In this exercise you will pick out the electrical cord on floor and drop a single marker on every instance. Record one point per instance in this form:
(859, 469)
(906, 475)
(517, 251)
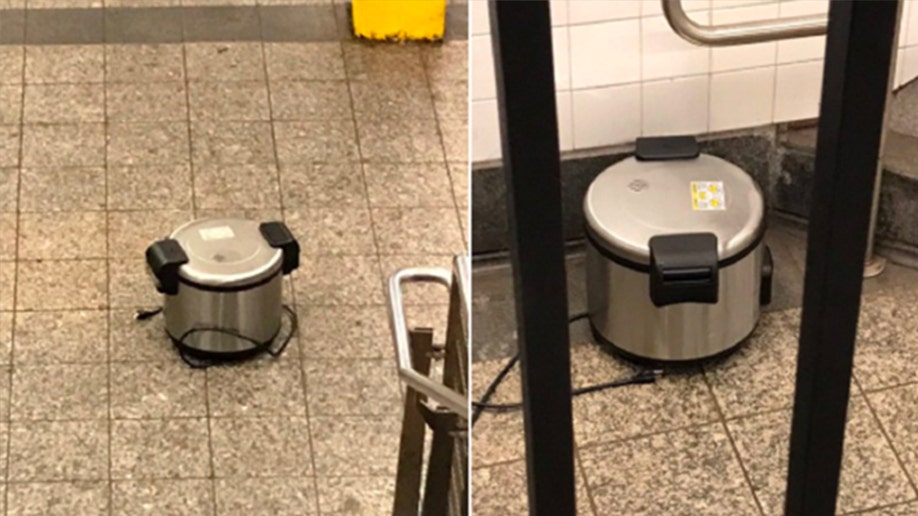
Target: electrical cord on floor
(483, 405)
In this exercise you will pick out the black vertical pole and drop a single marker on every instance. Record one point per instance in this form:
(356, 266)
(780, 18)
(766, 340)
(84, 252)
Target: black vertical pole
(854, 91)
(521, 36)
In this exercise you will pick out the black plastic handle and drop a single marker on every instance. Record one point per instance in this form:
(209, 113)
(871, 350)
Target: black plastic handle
(683, 269)
(768, 271)
(665, 148)
(278, 235)
(164, 258)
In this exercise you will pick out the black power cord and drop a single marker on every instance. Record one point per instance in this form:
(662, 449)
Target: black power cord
(483, 405)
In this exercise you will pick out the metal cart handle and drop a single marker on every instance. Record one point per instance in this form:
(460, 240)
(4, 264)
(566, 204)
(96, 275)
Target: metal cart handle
(741, 33)
(417, 381)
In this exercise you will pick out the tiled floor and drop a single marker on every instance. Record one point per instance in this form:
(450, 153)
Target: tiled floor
(712, 440)
(104, 148)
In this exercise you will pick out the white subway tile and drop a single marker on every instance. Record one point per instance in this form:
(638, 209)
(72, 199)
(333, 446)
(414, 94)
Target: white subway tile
(667, 55)
(482, 80)
(797, 91)
(485, 131)
(605, 53)
(678, 106)
(742, 99)
(591, 11)
(802, 49)
(606, 116)
(479, 19)
(558, 12)
(655, 7)
(904, 22)
(562, 58)
(911, 32)
(744, 56)
(908, 65)
(726, 4)
(565, 120)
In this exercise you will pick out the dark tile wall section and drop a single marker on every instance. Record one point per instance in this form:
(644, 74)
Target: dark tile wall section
(128, 25)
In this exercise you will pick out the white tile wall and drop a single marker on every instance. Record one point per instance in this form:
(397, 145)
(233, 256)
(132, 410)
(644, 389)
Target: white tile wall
(620, 72)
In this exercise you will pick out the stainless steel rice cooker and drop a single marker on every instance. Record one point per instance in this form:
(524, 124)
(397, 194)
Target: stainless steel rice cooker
(222, 281)
(676, 267)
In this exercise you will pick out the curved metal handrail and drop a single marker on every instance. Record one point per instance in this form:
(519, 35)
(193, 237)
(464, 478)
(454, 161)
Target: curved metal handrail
(741, 33)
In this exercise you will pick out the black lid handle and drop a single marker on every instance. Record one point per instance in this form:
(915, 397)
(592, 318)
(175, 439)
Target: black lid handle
(164, 258)
(278, 235)
(665, 148)
(683, 269)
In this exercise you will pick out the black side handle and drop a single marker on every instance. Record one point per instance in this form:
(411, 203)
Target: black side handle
(278, 235)
(683, 269)
(664, 148)
(768, 270)
(164, 258)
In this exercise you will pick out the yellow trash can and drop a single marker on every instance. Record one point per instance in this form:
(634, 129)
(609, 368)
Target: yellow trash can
(399, 19)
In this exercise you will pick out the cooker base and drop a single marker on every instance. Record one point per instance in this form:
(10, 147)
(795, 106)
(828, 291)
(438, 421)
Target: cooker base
(647, 361)
(223, 356)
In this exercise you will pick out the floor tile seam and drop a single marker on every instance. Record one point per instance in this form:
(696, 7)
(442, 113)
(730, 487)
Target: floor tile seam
(578, 464)
(189, 128)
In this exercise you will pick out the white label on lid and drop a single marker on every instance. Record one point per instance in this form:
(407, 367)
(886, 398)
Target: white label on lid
(217, 233)
(708, 196)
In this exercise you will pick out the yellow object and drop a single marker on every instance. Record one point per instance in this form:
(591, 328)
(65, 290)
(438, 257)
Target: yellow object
(399, 19)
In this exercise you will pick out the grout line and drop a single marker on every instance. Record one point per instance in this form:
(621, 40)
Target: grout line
(194, 209)
(108, 275)
(578, 463)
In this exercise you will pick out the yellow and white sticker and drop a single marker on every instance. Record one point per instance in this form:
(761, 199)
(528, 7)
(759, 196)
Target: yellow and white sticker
(708, 196)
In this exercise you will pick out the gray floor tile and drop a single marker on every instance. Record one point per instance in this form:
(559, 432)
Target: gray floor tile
(6, 336)
(10, 104)
(760, 375)
(408, 185)
(228, 186)
(310, 100)
(237, 100)
(322, 184)
(260, 447)
(451, 99)
(896, 410)
(266, 496)
(160, 448)
(59, 498)
(459, 174)
(146, 102)
(220, 23)
(131, 232)
(498, 438)
(256, 390)
(381, 62)
(59, 285)
(395, 100)
(12, 62)
(62, 189)
(339, 280)
(333, 231)
(160, 143)
(130, 285)
(173, 497)
(888, 340)
(763, 442)
(62, 337)
(75, 27)
(673, 473)
(8, 230)
(304, 61)
(156, 390)
(455, 135)
(501, 489)
(304, 142)
(144, 63)
(344, 332)
(298, 23)
(906, 509)
(358, 496)
(142, 25)
(12, 27)
(55, 392)
(447, 62)
(64, 103)
(7, 286)
(62, 235)
(419, 293)
(355, 445)
(399, 140)
(225, 61)
(154, 187)
(67, 145)
(417, 230)
(231, 143)
(9, 187)
(58, 450)
(352, 387)
(64, 63)
(9, 145)
(133, 340)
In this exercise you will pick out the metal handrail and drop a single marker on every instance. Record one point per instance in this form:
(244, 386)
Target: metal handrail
(437, 392)
(741, 33)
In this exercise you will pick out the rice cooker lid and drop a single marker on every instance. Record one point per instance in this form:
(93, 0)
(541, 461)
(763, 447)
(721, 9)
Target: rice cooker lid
(634, 200)
(226, 252)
